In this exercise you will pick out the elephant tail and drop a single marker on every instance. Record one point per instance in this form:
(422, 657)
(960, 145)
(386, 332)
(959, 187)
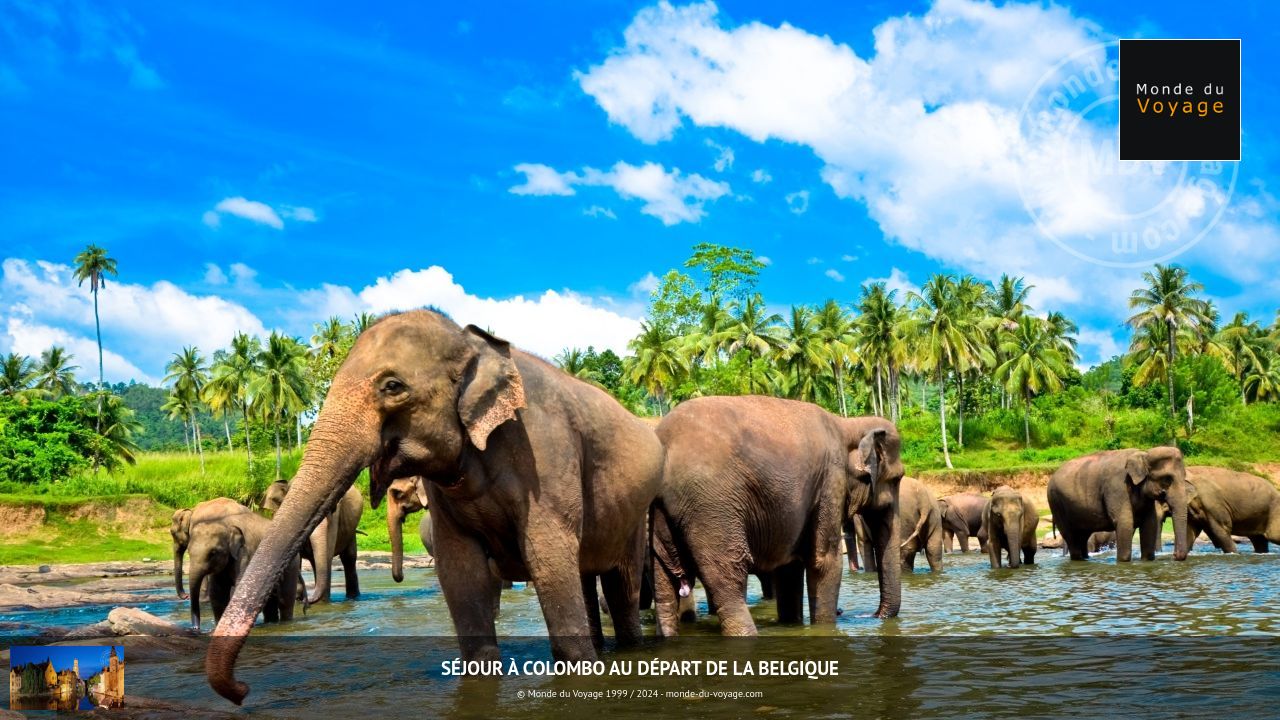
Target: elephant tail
(667, 550)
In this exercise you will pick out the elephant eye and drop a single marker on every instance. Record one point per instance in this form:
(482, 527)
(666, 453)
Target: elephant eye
(393, 387)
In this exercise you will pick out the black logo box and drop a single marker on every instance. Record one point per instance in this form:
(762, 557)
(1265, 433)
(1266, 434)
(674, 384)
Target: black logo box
(1185, 67)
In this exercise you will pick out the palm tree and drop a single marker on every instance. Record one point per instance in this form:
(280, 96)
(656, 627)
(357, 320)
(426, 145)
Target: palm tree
(280, 389)
(1007, 302)
(1061, 331)
(880, 343)
(1242, 341)
(219, 398)
(94, 265)
(803, 356)
(232, 378)
(574, 362)
(179, 406)
(1035, 364)
(362, 322)
(330, 338)
(947, 338)
(1169, 300)
(753, 330)
(836, 333)
(16, 373)
(1263, 379)
(189, 375)
(973, 297)
(55, 375)
(657, 363)
(116, 437)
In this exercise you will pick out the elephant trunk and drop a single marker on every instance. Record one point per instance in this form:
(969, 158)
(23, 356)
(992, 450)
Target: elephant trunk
(1013, 538)
(321, 560)
(178, 551)
(395, 528)
(197, 581)
(1177, 499)
(343, 442)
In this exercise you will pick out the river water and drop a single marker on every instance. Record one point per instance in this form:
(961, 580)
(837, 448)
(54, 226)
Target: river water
(1051, 640)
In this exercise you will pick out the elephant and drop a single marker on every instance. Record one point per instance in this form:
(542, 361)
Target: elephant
(184, 519)
(404, 497)
(1100, 541)
(919, 521)
(1010, 519)
(334, 536)
(220, 551)
(762, 484)
(544, 474)
(1118, 490)
(961, 518)
(274, 496)
(1224, 503)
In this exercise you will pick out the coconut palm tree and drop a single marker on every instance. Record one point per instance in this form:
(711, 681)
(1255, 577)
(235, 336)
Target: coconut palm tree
(179, 406)
(574, 362)
(836, 332)
(753, 330)
(16, 375)
(94, 265)
(55, 375)
(1062, 331)
(657, 363)
(232, 378)
(189, 375)
(330, 338)
(1034, 364)
(1169, 299)
(118, 430)
(1263, 379)
(803, 357)
(879, 343)
(362, 322)
(948, 338)
(1242, 340)
(280, 390)
(219, 397)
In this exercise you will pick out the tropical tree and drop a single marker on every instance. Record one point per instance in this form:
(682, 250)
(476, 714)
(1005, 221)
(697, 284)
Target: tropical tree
(1243, 342)
(219, 398)
(331, 338)
(836, 333)
(574, 362)
(180, 407)
(114, 442)
(879, 342)
(1262, 382)
(1034, 364)
(232, 377)
(947, 337)
(657, 363)
(280, 390)
(803, 357)
(16, 375)
(55, 375)
(362, 322)
(94, 265)
(1169, 299)
(753, 330)
(189, 375)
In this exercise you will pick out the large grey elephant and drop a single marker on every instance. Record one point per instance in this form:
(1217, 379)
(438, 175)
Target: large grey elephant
(1010, 519)
(335, 536)
(761, 484)
(543, 474)
(919, 526)
(220, 551)
(1119, 490)
(180, 529)
(961, 518)
(1225, 502)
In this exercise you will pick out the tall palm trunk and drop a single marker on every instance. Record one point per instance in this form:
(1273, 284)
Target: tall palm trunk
(879, 393)
(195, 425)
(960, 410)
(942, 415)
(1026, 419)
(226, 425)
(248, 444)
(186, 436)
(844, 409)
(1168, 373)
(276, 426)
(97, 324)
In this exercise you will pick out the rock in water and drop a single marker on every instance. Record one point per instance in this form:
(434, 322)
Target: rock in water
(132, 621)
(44, 569)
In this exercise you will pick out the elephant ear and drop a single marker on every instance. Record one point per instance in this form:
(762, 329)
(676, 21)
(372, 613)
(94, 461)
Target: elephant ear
(1136, 468)
(235, 545)
(492, 389)
(421, 489)
(866, 459)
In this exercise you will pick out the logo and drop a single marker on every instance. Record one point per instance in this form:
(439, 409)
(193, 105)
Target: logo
(1180, 100)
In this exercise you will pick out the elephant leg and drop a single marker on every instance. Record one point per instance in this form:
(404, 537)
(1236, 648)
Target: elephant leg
(909, 558)
(946, 541)
(271, 611)
(1124, 534)
(1075, 541)
(552, 559)
(592, 600)
(622, 592)
(789, 589)
(349, 574)
(933, 551)
(823, 578)
(963, 539)
(1220, 535)
(993, 552)
(470, 590)
(1259, 544)
(665, 601)
(220, 594)
(767, 591)
(1149, 534)
(726, 592)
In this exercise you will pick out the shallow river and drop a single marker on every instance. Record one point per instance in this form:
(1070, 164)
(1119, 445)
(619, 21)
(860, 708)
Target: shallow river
(1056, 639)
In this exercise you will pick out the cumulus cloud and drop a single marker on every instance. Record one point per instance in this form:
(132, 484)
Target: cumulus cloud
(924, 130)
(1096, 346)
(834, 275)
(26, 337)
(761, 176)
(897, 280)
(798, 202)
(213, 274)
(256, 212)
(136, 319)
(599, 211)
(645, 285)
(724, 156)
(669, 196)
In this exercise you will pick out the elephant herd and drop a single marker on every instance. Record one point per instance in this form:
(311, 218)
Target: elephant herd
(533, 475)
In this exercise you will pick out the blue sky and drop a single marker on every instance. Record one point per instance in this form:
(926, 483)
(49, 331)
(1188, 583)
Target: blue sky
(92, 658)
(531, 167)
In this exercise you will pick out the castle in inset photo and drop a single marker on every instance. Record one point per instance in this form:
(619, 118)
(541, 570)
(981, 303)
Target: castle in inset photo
(81, 677)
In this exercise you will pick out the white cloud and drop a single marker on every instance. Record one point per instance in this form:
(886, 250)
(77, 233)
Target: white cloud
(898, 281)
(834, 275)
(212, 219)
(251, 210)
(138, 321)
(924, 131)
(724, 156)
(848, 258)
(761, 176)
(645, 285)
(798, 202)
(301, 214)
(545, 325)
(541, 179)
(1096, 346)
(672, 197)
(245, 277)
(30, 338)
(765, 260)
(213, 275)
(814, 261)
(599, 211)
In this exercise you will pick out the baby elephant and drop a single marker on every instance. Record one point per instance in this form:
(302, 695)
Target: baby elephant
(1010, 519)
(1224, 503)
(220, 551)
